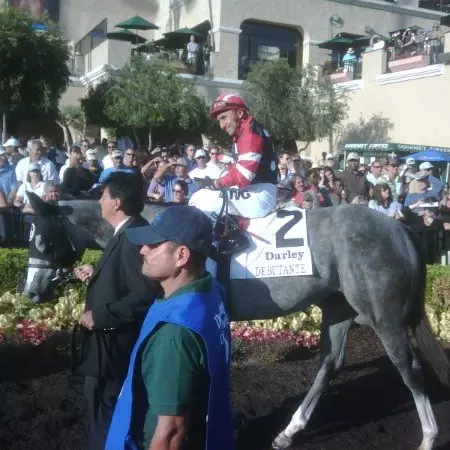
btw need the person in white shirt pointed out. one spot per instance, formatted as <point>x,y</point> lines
<point>374,175</point>
<point>33,183</point>
<point>215,171</point>
<point>201,170</point>
<point>107,161</point>
<point>48,169</point>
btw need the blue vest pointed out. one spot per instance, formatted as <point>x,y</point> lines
<point>205,314</point>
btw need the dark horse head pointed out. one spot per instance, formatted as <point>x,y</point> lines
<point>52,251</point>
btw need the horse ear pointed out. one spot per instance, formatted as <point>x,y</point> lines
<point>40,207</point>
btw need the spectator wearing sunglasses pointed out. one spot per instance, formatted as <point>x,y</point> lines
<point>201,170</point>
<point>118,166</point>
<point>374,175</point>
<point>214,168</point>
<point>130,160</point>
<point>180,192</point>
<point>107,161</point>
<point>391,177</point>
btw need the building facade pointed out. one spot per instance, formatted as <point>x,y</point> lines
<point>244,31</point>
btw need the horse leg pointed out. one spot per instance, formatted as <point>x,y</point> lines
<point>400,352</point>
<point>337,316</point>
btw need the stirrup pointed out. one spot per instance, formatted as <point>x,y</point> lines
<point>231,245</point>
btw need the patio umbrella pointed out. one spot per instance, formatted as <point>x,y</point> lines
<point>137,23</point>
<point>127,36</point>
<point>433,156</point>
<point>183,32</point>
<point>337,43</point>
<point>430,155</point>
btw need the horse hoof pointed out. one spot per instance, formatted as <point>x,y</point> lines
<point>281,442</point>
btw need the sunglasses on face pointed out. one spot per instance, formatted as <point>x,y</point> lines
<point>201,157</point>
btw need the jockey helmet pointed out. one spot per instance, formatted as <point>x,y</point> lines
<point>225,102</point>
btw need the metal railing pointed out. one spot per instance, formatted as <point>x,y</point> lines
<point>416,47</point>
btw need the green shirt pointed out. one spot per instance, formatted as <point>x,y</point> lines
<point>173,378</point>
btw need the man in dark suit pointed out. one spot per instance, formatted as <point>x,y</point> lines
<point>118,297</point>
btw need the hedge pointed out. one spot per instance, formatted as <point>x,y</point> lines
<point>13,264</point>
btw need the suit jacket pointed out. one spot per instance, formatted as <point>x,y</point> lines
<point>119,296</point>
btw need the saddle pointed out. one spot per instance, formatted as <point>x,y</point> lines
<point>229,230</point>
<point>231,240</point>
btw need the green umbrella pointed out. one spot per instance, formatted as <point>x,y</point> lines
<point>137,23</point>
<point>127,36</point>
<point>183,32</point>
<point>337,43</point>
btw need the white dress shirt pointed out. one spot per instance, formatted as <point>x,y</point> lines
<point>48,170</point>
<point>120,225</point>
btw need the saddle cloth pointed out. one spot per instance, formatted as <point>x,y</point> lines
<point>278,247</point>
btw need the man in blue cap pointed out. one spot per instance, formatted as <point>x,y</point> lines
<point>177,392</point>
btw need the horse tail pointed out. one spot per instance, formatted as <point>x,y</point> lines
<point>429,346</point>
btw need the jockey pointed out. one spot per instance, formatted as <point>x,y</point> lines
<point>254,174</point>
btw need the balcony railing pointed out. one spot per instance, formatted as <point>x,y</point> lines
<point>417,52</point>
<point>416,47</point>
<point>349,70</point>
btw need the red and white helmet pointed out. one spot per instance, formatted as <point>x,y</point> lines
<point>225,102</point>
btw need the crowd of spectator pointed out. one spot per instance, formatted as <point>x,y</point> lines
<point>410,192</point>
<point>170,173</point>
<point>415,41</point>
<point>407,191</point>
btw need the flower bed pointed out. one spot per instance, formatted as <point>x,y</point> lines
<point>23,321</point>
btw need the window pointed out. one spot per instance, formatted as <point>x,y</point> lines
<point>262,42</point>
<point>93,39</point>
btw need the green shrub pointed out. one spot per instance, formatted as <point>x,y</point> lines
<point>14,261</point>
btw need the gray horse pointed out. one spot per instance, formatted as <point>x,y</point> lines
<point>367,270</point>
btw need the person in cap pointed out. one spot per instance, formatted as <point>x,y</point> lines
<point>34,183</point>
<point>355,182</point>
<point>436,185</point>
<point>418,191</point>
<point>93,164</point>
<point>177,391</point>
<point>12,149</point>
<point>349,60</point>
<point>200,171</point>
<point>164,180</point>
<point>255,170</point>
<point>329,161</point>
<point>117,299</point>
<point>118,166</point>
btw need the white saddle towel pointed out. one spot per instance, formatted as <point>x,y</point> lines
<point>256,200</point>
<point>278,247</point>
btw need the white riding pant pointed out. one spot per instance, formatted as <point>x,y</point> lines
<point>253,201</point>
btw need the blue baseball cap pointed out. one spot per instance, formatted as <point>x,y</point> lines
<point>185,225</point>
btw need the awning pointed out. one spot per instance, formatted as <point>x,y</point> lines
<point>389,147</point>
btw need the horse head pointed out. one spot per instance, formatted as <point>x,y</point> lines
<point>52,249</point>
